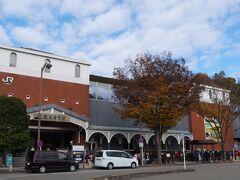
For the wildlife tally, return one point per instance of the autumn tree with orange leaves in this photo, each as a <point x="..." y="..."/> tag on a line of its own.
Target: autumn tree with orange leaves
<point x="223" y="107"/>
<point x="155" y="90"/>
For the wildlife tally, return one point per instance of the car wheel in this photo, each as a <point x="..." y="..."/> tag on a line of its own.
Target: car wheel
<point x="133" y="165"/>
<point x="110" y="166"/>
<point x="72" y="168"/>
<point x="42" y="169"/>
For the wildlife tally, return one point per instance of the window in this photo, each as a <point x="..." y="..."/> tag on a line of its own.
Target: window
<point x="125" y="155"/>
<point x="62" y="156"/>
<point x="77" y="101"/>
<point x="210" y="94"/>
<point x="99" y="154"/>
<point x="77" y="71"/>
<point x="13" y="60"/>
<point x="224" y="97"/>
<point x="46" y="69"/>
<point x="52" y="155"/>
<point x="114" y="154"/>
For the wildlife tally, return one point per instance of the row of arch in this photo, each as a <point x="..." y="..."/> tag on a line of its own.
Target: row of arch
<point x="119" y="141"/>
<point x="13" y="63"/>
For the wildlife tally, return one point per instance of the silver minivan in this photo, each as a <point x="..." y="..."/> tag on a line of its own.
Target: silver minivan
<point x="114" y="158"/>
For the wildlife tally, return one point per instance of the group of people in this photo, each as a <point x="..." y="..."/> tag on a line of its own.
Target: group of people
<point x="204" y="156"/>
<point x="89" y="159"/>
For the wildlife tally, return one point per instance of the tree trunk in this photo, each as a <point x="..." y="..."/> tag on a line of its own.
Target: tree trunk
<point x="223" y="143"/>
<point x="159" y="146"/>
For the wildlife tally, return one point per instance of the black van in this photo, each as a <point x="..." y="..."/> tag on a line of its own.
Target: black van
<point x="43" y="161"/>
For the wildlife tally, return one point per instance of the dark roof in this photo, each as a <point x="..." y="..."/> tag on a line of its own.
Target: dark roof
<point x="101" y="79"/>
<point x="203" y="142"/>
<point x="59" y="108"/>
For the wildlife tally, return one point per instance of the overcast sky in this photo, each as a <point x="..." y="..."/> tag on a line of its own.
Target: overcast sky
<point x="106" y="32"/>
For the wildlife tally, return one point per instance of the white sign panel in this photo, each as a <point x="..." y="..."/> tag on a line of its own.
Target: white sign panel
<point x="78" y="148"/>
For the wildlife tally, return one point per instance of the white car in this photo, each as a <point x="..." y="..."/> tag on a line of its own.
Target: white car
<point x="115" y="158"/>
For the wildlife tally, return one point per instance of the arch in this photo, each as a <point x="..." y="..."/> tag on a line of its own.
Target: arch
<point x="13" y="60"/>
<point x="134" y="144"/>
<point x="47" y="70"/>
<point x="151" y="138"/>
<point x="135" y="134"/>
<point x="114" y="134"/>
<point x="77" y="71"/>
<point x="119" y="142"/>
<point x="187" y="143"/>
<point x="171" y="143"/>
<point x="97" y="141"/>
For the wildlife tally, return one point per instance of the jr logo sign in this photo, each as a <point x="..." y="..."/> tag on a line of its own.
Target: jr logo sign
<point x="8" y="80"/>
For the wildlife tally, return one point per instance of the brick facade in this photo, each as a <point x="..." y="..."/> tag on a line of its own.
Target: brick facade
<point x="75" y="95"/>
<point x="198" y="129"/>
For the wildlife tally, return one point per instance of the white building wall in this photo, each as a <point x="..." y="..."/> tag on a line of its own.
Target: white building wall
<point x="29" y="63"/>
<point x="217" y="94"/>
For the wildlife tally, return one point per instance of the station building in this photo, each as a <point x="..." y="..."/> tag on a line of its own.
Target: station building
<point x="77" y="108"/>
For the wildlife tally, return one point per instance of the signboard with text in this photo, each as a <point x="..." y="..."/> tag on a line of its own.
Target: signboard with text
<point x="51" y="117"/>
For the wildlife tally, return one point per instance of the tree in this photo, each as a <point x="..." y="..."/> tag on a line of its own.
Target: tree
<point x="155" y="90"/>
<point x="223" y="107"/>
<point x="14" y="122"/>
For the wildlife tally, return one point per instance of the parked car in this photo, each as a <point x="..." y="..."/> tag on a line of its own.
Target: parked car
<point x="114" y="158"/>
<point x="43" y="161"/>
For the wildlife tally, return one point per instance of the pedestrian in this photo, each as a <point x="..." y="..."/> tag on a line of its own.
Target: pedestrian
<point x="168" y="155"/>
<point x="196" y="155"/>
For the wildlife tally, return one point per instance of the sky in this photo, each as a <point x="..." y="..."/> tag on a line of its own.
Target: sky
<point x="206" y="33"/>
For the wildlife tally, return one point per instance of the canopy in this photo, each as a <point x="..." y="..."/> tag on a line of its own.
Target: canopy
<point x="203" y="142"/>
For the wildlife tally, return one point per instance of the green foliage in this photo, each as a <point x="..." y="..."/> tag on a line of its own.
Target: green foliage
<point x="14" y="122"/>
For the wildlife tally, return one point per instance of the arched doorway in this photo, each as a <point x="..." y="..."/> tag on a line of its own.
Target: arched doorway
<point x="151" y="146"/>
<point x="134" y="144"/>
<point x="171" y="144"/>
<point x="97" y="141"/>
<point x="187" y="141"/>
<point x="119" y="142"/>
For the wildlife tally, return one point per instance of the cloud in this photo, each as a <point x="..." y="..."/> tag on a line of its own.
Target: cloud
<point x="108" y="31"/>
<point x="30" y="11"/>
<point x="193" y="64"/>
<point x="85" y="8"/>
<point x="4" y="39"/>
<point x="31" y="36"/>
<point x="114" y="20"/>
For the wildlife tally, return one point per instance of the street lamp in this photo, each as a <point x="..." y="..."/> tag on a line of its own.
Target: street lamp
<point x="39" y="142"/>
<point x="141" y="142"/>
<point x="183" y="149"/>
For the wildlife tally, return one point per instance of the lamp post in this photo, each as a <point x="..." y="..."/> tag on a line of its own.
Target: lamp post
<point x="39" y="142"/>
<point x="183" y="149"/>
<point x="141" y="143"/>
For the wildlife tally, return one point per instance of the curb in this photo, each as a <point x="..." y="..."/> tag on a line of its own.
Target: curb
<point x="134" y="175"/>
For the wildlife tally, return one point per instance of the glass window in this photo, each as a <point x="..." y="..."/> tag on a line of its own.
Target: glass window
<point x="99" y="154"/>
<point x="62" y="156"/>
<point x="100" y="91"/>
<point x="125" y="155"/>
<point x="13" y="60"/>
<point x="46" y="69"/>
<point x="77" y="71"/>
<point x="210" y="94"/>
<point x="114" y="154"/>
<point x="224" y="97"/>
<point x="52" y="155"/>
<point x="93" y="90"/>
